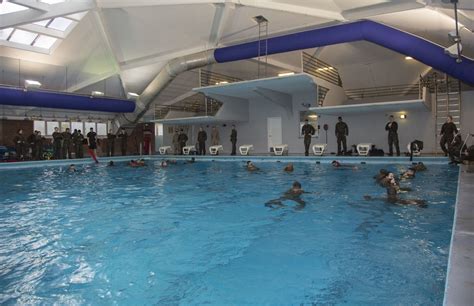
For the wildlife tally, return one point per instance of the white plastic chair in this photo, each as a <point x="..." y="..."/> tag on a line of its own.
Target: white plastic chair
<point x="244" y="149"/>
<point x="188" y="149"/>
<point x="280" y="149"/>
<point x="164" y="150"/>
<point x="319" y="148"/>
<point x="364" y="148"/>
<point x="215" y="149"/>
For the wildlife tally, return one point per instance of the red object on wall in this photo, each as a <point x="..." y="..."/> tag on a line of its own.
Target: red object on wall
<point x="147" y="135"/>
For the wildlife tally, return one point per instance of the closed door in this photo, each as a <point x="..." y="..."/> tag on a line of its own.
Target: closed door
<point x="274" y="131"/>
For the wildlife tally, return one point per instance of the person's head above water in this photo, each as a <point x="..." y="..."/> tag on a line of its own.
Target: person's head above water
<point x="384" y="172"/>
<point x="289" y="167"/>
<point x="335" y="163"/>
<point x="296" y="185"/>
<point x="111" y="163"/>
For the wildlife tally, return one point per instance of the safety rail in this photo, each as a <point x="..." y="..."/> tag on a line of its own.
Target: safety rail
<point x="209" y="78"/>
<point x="322" y="92"/>
<point x="384" y="91"/>
<point x="320" y="69"/>
<point x="198" y="104"/>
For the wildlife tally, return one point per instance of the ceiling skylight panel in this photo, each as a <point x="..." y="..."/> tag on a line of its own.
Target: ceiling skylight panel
<point x="60" y="24"/>
<point x="43" y="23"/>
<point x="45" y="42"/>
<point x="77" y="16"/>
<point x="5" y="33"/>
<point x="23" y="37"/>
<point x="52" y="1"/>
<point x="8" y="7"/>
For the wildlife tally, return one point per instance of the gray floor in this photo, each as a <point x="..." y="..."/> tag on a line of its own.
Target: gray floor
<point x="460" y="279"/>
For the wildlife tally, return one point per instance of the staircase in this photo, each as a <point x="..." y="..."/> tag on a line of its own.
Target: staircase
<point x="448" y="102"/>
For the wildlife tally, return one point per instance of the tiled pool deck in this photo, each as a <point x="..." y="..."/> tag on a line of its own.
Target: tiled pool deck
<point x="460" y="277"/>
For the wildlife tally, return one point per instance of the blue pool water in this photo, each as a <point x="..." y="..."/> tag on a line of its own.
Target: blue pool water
<point x="200" y="234"/>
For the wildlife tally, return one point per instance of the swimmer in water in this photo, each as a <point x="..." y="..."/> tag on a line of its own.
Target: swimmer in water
<point x="419" y="166"/>
<point x="172" y="161"/>
<point x="164" y="164"/>
<point x="251" y="167"/>
<point x="191" y="161"/>
<point x="71" y="168"/>
<point x="292" y="194"/>
<point x="289" y="168"/>
<point x="136" y="163"/>
<point x="338" y="165"/>
<point x="381" y="175"/>
<point x="111" y="164"/>
<point x="392" y="197"/>
<point x="409" y="174"/>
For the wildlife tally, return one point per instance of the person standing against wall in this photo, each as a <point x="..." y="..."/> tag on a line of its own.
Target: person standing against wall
<point x="392" y="128"/>
<point x="215" y="139"/>
<point x="39" y="145"/>
<point x="111" y="143"/>
<point x="342" y="131"/>
<point x="57" y="143"/>
<point x="20" y="145"/>
<point x="182" y="139"/>
<point x="66" y="152"/>
<point x="233" y="140"/>
<point x="175" y="142"/>
<point x="123" y="141"/>
<point x="78" y="140"/>
<point x="202" y="137"/>
<point x="32" y="143"/>
<point x="448" y="130"/>
<point x="147" y="135"/>
<point x="308" y="131"/>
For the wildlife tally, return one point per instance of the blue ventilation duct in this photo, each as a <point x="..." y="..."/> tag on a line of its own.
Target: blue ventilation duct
<point x="20" y="97"/>
<point x="402" y="42"/>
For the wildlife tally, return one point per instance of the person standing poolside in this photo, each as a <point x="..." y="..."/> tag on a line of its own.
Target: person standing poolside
<point x="175" y="142"/>
<point x="66" y="149"/>
<point x="92" y="142"/>
<point x="111" y="143"/>
<point x="32" y="143"/>
<point x="215" y="138"/>
<point x="202" y="137"/>
<point x="123" y="141"/>
<point x="78" y="140"/>
<point x="392" y="128"/>
<point x="182" y="139"/>
<point x="39" y="146"/>
<point x="57" y="143"/>
<point x="448" y="130"/>
<point x="20" y="145"/>
<point x="233" y="140"/>
<point x="308" y="131"/>
<point x="342" y="131"/>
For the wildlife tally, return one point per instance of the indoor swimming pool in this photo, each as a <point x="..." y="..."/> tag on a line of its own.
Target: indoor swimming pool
<point x="200" y="233"/>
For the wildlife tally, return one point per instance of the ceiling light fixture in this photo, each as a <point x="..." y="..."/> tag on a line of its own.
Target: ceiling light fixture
<point x="285" y="74"/>
<point x="403" y="116"/>
<point x="96" y="93"/>
<point x="32" y="84"/>
<point x="408" y="58"/>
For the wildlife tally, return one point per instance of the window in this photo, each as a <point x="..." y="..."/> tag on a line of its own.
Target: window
<point x="23" y="37"/>
<point x="8" y="7"/>
<point x="159" y="129"/>
<point x="60" y="24"/>
<point x="101" y="129"/>
<point x="5" y="33"/>
<point x="43" y="23"/>
<point x="50" y="125"/>
<point x="39" y="125"/>
<point x="77" y="126"/>
<point x="88" y="126"/>
<point x="64" y="126"/>
<point x="44" y="42"/>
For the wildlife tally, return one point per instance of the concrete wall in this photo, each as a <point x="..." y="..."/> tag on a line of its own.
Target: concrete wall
<point x="363" y="127"/>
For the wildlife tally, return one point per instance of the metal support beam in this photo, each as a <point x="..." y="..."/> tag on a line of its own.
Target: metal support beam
<point x="221" y="16"/>
<point x="32" y="4"/>
<point x="140" y="3"/>
<point x="55" y="10"/>
<point x="91" y="81"/>
<point x="381" y="8"/>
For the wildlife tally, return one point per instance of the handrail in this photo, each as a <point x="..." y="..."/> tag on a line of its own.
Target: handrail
<point x="320" y="69"/>
<point x="208" y="78"/>
<point x="383" y="91"/>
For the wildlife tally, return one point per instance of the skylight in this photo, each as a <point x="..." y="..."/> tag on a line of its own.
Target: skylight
<point x="43" y="23"/>
<point x="44" y="42"/>
<point x="8" y="7"/>
<point x="23" y="37"/>
<point x="60" y="24"/>
<point x="5" y="33"/>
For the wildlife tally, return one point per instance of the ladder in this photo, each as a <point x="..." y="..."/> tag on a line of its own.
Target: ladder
<point x="448" y="102"/>
<point x="262" y="46"/>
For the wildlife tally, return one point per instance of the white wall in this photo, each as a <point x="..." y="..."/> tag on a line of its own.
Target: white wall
<point x="366" y="127"/>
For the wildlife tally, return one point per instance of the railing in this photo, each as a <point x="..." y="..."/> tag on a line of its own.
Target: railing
<point x="322" y="92"/>
<point x="209" y="78"/>
<point x="198" y="104"/>
<point x="320" y="69"/>
<point x="384" y="91"/>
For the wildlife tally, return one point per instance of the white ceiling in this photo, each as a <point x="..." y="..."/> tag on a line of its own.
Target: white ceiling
<point x="134" y="39"/>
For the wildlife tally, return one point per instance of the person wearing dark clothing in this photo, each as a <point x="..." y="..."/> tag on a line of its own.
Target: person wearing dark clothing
<point x="293" y="194"/>
<point x="448" y="130"/>
<point x="342" y="130"/>
<point x="111" y="143"/>
<point x="455" y="149"/>
<point x="92" y="141"/>
<point x="202" y="137"/>
<point x="233" y="140"/>
<point x="78" y="140"/>
<point x="392" y="128"/>
<point x="182" y="138"/>
<point x="20" y="145"/>
<point x="57" y="143"/>
<point x="67" y="140"/>
<point x="123" y="141"/>
<point x="38" y="146"/>
<point x="32" y="143"/>
<point x="307" y="130"/>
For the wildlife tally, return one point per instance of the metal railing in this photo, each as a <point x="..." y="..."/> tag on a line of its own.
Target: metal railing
<point x="384" y="91"/>
<point x="198" y="104"/>
<point x="320" y="69"/>
<point x="209" y="78"/>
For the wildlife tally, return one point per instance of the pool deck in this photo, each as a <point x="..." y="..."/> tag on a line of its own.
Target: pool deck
<point x="460" y="279"/>
<point x="460" y="276"/>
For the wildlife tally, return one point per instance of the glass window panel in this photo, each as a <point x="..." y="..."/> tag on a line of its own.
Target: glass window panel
<point x="50" y="125"/>
<point x="39" y="125"/>
<point x="60" y="24"/>
<point x="102" y="129"/>
<point x="8" y="7"/>
<point x="42" y="23"/>
<point x="88" y="126"/>
<point x="5" y="33"/>
<point x="23" y="37"/>
<point x="64" y="126"/>
<point x="77" y="126"/>
<point x="44" y="42"/>
<point x="77" y="16"/>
